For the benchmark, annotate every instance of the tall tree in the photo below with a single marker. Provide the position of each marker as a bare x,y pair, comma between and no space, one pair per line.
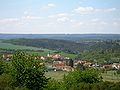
27,72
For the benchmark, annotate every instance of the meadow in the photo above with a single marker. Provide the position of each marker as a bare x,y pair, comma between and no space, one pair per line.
15,47
109,76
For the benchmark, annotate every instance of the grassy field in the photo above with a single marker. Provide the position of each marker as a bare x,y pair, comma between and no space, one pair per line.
11,46
58,75
68,55
109,76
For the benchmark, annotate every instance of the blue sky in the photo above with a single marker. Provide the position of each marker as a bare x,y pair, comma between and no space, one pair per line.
60,16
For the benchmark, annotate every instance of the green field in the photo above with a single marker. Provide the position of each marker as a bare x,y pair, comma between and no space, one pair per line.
109,76
11,46
68,55
58,75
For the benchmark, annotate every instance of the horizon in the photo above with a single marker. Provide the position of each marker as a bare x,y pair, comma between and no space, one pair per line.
60,17
61,33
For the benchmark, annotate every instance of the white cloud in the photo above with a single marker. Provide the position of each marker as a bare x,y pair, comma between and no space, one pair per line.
31,17
84,10
110,9
49,6
60,15
77,25
9,20
116,23
63,19
95,20
88,10
19,21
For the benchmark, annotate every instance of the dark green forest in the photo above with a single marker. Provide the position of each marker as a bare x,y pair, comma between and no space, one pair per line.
102,52
69,46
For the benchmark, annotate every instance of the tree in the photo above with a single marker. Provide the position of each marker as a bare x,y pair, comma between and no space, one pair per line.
71,62
1,67
27,72
76,77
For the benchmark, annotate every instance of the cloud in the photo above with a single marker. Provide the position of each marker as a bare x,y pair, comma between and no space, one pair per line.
9,20
84,10
31,17
116,24
89,10
77,24
49,6
63,19
19,21
60,15
110,10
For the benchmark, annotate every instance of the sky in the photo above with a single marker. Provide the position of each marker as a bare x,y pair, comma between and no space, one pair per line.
60,16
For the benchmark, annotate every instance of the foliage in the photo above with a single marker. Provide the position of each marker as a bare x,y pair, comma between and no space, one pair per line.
54,85
101,56
118,71
27,72
71,63
87,76
4,81
1,67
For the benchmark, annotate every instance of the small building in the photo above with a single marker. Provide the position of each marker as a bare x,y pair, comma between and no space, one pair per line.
7,56
61,65
108,67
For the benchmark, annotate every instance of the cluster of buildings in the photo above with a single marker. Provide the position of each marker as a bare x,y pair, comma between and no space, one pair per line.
60,62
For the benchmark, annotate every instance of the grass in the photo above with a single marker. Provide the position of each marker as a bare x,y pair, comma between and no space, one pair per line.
58,75
111,76
72,56
15,47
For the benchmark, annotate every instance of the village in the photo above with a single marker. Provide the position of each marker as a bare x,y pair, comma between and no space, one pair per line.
57,62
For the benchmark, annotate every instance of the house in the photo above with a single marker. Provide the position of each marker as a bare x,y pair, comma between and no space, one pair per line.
116,66
7,56
108,66
87,64
61,66
55,57
42,58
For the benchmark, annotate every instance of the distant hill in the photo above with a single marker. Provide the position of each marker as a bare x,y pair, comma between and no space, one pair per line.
71,37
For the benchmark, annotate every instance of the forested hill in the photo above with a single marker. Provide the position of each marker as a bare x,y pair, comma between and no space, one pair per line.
68,46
